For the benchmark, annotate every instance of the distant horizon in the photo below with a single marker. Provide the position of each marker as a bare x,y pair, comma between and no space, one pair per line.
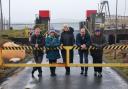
57,20
25,10
60,20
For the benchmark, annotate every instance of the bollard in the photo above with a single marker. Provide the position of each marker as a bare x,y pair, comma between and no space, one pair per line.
68,48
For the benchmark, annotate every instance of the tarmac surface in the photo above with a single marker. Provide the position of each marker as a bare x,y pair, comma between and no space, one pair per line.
23,80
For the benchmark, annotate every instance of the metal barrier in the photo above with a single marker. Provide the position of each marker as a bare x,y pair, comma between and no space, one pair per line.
109,47
67,64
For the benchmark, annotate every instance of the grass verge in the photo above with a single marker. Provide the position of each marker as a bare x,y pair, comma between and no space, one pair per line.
122,71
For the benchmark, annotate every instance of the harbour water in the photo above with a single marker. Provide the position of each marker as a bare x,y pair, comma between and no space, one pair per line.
57,26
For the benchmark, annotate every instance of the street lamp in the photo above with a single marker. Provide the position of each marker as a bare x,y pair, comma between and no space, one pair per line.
116,22
116,27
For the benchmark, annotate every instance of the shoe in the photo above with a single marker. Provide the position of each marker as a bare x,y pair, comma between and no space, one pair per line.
40,75
85,74
33,74
67,73
95,73
99,75
82,73
53,75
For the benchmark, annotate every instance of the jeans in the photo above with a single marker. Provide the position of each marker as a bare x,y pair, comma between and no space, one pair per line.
83,54
38,59
52,69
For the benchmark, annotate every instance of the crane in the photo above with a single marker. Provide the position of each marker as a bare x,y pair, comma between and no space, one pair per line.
104,5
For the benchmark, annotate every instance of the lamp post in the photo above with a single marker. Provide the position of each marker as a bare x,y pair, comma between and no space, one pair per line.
116,21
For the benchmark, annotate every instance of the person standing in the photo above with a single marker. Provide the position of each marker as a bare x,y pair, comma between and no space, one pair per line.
98,41
83,41
37,41
52,41
67,39
111,39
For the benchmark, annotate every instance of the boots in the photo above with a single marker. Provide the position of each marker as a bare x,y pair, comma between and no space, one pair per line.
52,69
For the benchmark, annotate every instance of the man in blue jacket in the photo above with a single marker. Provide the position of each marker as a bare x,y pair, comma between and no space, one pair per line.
83,41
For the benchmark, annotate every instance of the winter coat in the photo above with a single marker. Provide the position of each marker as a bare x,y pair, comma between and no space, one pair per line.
98,41
71,29
83,40
67,38
52,42
40,40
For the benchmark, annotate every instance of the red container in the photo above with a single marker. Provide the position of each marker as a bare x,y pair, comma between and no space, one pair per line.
44,13
90,12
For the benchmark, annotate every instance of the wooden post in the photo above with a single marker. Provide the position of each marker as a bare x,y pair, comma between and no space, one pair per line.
1,61
115,54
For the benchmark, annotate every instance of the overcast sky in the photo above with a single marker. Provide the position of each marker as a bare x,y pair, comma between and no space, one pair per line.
25,10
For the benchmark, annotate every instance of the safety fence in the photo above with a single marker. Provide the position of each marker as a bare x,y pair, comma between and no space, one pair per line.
67,64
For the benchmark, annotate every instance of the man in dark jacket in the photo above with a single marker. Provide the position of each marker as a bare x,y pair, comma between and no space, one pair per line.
37,41
67,39
111,39
98,41
83,41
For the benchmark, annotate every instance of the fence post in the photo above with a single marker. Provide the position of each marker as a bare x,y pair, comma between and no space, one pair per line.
1,61
68,48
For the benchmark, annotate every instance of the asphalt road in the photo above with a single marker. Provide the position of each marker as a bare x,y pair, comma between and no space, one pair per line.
23,80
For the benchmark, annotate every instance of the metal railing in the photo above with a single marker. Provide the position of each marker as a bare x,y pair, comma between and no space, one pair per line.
67,64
